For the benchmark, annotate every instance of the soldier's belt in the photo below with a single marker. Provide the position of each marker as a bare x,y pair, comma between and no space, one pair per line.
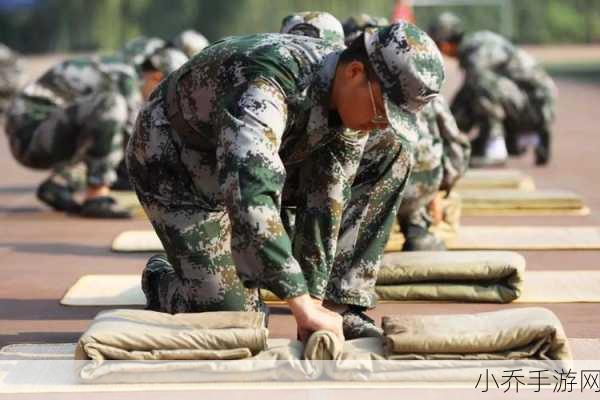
181,127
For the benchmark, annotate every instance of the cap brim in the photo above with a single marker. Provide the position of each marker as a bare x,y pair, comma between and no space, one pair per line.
404,123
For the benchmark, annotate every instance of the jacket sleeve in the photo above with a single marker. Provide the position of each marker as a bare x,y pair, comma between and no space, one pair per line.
325,183
251,176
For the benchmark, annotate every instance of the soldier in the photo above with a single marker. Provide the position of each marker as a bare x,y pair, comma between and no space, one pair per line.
190,42
506,94
253,122
441,156
78,111
10,75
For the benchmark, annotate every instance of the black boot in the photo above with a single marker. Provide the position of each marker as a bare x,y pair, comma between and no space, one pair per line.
417,238
58,197
157,270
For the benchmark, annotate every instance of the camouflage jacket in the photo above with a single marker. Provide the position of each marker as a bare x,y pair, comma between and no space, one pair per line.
440,142
72,79
484,54
262,102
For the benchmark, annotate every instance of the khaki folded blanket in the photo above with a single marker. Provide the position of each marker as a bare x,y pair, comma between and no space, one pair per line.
516,238
495,179
516,334
483,202
149,335
133,346
491,276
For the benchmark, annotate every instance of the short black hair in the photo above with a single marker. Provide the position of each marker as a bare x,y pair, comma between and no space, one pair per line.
148,66
357,51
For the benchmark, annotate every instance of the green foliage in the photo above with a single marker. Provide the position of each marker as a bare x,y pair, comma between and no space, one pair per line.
82,25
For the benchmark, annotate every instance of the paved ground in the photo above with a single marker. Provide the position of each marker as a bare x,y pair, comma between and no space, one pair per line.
43,253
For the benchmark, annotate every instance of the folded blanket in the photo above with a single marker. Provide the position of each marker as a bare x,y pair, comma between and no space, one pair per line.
516,334
491,276
149,335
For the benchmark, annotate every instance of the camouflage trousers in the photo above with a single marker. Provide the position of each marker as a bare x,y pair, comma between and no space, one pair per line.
199,274
45,136
422,187
499,106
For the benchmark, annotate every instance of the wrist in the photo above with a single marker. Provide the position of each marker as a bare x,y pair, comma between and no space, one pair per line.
300,305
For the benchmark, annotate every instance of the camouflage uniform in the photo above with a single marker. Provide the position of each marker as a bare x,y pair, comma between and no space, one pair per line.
255,132
441,155
505,91
10,75
78,110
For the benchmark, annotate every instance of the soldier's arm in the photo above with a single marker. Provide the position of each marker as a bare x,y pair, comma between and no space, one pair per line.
457,147
325,184
251,175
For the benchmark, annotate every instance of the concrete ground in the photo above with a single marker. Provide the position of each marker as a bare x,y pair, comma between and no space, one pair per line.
42,253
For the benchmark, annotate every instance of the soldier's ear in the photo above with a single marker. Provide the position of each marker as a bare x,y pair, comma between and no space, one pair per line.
354,70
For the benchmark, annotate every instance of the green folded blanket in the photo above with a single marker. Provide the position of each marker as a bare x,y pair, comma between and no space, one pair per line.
516,334
149,335
454,276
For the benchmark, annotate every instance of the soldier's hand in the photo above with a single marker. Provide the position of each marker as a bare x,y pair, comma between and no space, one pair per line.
436,209
311,317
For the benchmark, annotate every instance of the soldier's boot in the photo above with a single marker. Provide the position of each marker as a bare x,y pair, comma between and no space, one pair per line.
122,182
104,207
156,275
418,238
357,324
59,197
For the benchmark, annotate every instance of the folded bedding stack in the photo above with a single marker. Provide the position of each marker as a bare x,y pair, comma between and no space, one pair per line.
149,335
134,346
517,334
491,276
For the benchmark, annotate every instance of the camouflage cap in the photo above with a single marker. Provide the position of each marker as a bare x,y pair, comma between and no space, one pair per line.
315,24
168,59
410,69
190,42
138,50
355,25
445,27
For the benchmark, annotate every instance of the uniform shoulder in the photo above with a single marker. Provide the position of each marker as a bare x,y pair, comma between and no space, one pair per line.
288,59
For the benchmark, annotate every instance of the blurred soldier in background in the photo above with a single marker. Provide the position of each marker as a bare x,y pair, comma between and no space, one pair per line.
82,110
190,42
441,156
506,94
316,24
153,59
10,76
